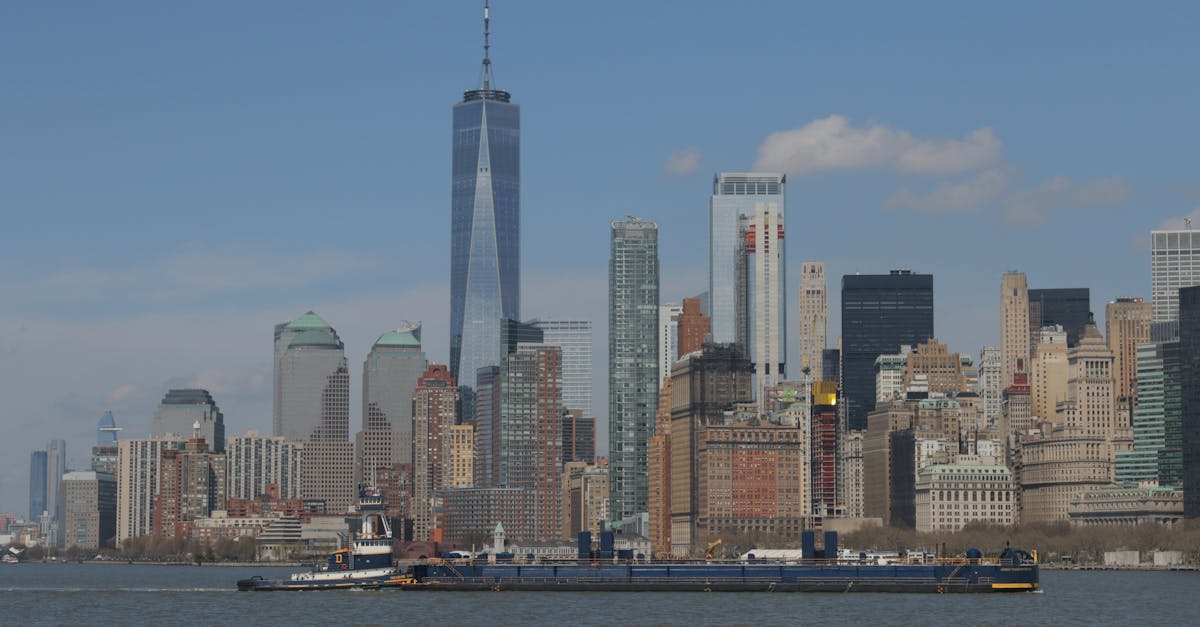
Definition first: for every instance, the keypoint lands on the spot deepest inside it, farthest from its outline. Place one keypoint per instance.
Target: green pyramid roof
(316, 337)
(406, 337)
(309, 320)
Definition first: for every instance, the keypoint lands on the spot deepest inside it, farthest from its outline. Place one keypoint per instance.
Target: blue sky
(176, 178)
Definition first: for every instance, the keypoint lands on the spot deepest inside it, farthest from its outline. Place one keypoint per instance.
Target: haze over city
(179, 179)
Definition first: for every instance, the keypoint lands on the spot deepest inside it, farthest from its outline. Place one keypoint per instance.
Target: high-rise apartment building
(823, 450)
(486, 420)
(584, 499)
(880, 313)
(814, 318)
(1127, 324)
(435, 408)
(485, 221)
(390, 374)
(462, 456)
(633, 376)
(37, 484)
(1174, 264)
(180, 410)
(139, 461)
(191, 485)
(574, 337)
(1014, 324)
(668, 336)
(578, 437)
(90, 514)
(991, 386)
(257, 462)
(692, 327)
(530, 431)
(1068, 307)
(659, 472)
(736, 196)
(313, 392)
(765, 297)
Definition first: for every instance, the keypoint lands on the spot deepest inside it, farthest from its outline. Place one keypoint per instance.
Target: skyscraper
(765, 297)
(390, 374)
(257, 461)
(181, 409)
(37, 484)
(313, 392)
(1014, 324)
(485, 245)
(574, 337)
(736, 196)
(692, 327)
(435, 407)
(1127, 325)
(990, 386)
(138, 472)
(1189, 354)
(104, 453)
(1068, 307)
(1174, 264)
(56, 467)
(668, 336)
(880, 313)
(531, 431)
(814, 317)
(633, 375)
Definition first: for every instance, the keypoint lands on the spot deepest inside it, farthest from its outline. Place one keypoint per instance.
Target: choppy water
(120, 594)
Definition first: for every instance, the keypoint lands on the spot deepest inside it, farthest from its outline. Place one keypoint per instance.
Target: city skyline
(128, 295)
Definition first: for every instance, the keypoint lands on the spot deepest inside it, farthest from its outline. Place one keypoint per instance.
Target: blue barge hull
(963, 576)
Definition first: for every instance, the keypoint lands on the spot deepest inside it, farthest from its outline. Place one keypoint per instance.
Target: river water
(121, 594)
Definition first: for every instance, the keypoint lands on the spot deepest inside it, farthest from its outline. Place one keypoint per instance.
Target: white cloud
(1179, 222)
(682, 163)
(964, 196)
(1058, 192)
(832, 143)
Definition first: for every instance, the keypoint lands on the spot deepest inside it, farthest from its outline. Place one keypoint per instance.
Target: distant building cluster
(711, 428)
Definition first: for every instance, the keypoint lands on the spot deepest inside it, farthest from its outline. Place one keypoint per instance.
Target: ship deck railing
(545, 561)
(766, 581)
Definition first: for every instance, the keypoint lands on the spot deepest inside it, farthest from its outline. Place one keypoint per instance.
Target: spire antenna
(487, 57)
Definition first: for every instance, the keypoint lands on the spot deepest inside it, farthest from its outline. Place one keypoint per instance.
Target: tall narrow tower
(1014, 324)
(814, 317)
(485, 246)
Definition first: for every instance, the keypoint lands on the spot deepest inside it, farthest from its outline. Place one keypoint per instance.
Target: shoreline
(1145, 567)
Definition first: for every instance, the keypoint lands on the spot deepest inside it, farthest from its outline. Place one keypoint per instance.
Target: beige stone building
(949, 496)
(462, 456)
(584, 498)
(1014, 324)
(942, 370)
(90, 509)
(1127, 323)
(1049, 373)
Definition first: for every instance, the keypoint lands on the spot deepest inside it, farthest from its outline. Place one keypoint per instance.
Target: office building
(37, 484)
(850, 473)
(1049, 373)
(584, 499)
(1189, 357)
(1174, 264)
(990, 385)
(260, 465)
(950, 496)
(462, 456)
(736, 196)
(104, 453)
(880, 313)
(633, 376)
(139, 461)
(831, 364)
(435, 408)
(486, 420)
(693, 328)
(313, 391)
(765, 298)
(181, 409)
(1014, 324)
(574, 337)
(90, 517)
(485, 220)
(658, 469)
(755, 478)
(1069, 308)
(814, 319)
(56, 467)
(390, 374)
(578, 437)
(1157, 449)
(469, 515)
(1127, 323)
(530, 431)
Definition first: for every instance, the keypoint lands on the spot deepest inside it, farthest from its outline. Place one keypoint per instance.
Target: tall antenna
(487, 58)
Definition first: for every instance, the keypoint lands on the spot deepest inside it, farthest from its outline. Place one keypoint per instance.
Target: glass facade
(485, 247)
(1067, 307)
(574, 337)
(1189, 356)
(1174, 264)
(633, 377)
(1156, 435)
(735, 196)
(880, 313)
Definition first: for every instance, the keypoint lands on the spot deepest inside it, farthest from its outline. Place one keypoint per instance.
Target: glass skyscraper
(574, 337)
(181, 409)
(1174, 264)
(633, 377)
(880, 313)
(1068, 307)
(37, 484)
(485, 238)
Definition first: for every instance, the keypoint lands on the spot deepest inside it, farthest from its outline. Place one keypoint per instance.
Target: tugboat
(367, 563)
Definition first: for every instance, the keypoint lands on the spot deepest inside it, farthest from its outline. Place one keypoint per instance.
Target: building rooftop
(407, 335)
(309, 320)
(316, 337)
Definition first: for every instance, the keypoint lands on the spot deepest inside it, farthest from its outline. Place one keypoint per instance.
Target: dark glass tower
(880, 313)
(1189, 354)
(485, 246)
(1068, 307)
(37, 484)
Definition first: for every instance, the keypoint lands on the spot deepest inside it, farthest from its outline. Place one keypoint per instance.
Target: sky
(176, 178)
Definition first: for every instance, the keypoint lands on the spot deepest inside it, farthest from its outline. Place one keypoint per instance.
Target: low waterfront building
(1127, 505)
